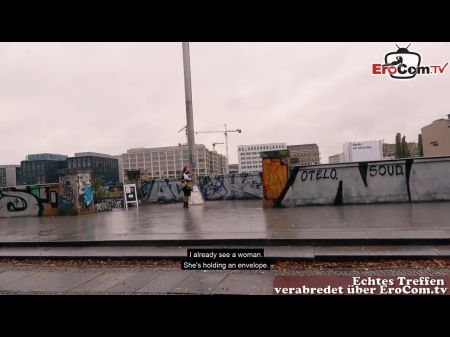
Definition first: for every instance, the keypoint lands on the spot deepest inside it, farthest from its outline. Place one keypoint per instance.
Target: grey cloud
(108, 97)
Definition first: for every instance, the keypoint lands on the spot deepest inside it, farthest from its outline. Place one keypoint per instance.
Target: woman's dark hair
(184, 169)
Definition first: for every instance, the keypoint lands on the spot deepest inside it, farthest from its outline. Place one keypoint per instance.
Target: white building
(168, 162)
(8, 175)
(249, 158)
(363, 151)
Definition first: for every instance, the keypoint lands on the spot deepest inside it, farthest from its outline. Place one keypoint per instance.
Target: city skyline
(111, 97)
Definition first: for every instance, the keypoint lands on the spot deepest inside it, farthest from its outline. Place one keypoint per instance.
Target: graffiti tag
(389, 169)
(318, 174)
(108, 205)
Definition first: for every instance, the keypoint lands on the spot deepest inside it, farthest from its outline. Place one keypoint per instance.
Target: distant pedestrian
(187, 186)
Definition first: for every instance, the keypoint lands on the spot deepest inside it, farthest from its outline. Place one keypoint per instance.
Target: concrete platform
(233, 222)
(418, 230)
(271, 253)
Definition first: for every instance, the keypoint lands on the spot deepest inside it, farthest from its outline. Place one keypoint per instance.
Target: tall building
(336, 159)
(249, 157)
(436, 138)
(218, 163)
(120, 163)
(305, 154)
(99, 165)
(41, 168)
(46, 156)
(8, 175)
(233, 168)
(363, 151)
(389, 150)
(92, 154)
(168, 162)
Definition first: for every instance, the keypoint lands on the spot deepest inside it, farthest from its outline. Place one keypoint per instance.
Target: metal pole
(189, 111)
(196, 196)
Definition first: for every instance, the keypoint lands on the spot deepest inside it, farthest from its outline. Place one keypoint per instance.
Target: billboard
(363, 151)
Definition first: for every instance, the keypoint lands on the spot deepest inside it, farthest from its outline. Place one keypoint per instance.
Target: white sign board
(130, 194)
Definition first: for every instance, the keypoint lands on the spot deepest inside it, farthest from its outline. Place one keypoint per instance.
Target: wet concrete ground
(237, 220)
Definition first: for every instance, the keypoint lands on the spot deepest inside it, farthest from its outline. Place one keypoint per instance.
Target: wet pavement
(271, 253)
(236, 220)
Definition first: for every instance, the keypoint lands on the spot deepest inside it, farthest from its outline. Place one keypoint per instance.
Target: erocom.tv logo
(405, 64)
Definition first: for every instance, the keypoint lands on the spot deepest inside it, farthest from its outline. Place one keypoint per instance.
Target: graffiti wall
(236, 186)
(68, 193)
(233, 186)
(420, 179)
(162, 191)
(108, 204)
(19, 203)
(85, 194)
(33, 200)
(275, 177)
(76, 194)
(72, 195)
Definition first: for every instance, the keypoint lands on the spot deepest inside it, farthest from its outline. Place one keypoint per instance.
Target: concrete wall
(76, 194)
(73, 195)
(424, 179)
(32, 200)
(108, 204)
(167, 190)
(233, 186)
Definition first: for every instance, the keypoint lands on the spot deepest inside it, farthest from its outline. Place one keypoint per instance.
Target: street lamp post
(189, 110)
(197, 197)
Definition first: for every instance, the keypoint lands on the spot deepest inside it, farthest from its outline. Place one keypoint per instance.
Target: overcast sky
(110, 97)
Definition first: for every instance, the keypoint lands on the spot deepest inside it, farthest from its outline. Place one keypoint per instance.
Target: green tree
(398, 146)
(98, 189)
(405, 150)
(419, 145)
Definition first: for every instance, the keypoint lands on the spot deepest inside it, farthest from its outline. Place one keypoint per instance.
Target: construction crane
(214, 146)
(225, 132)
(184, 128)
